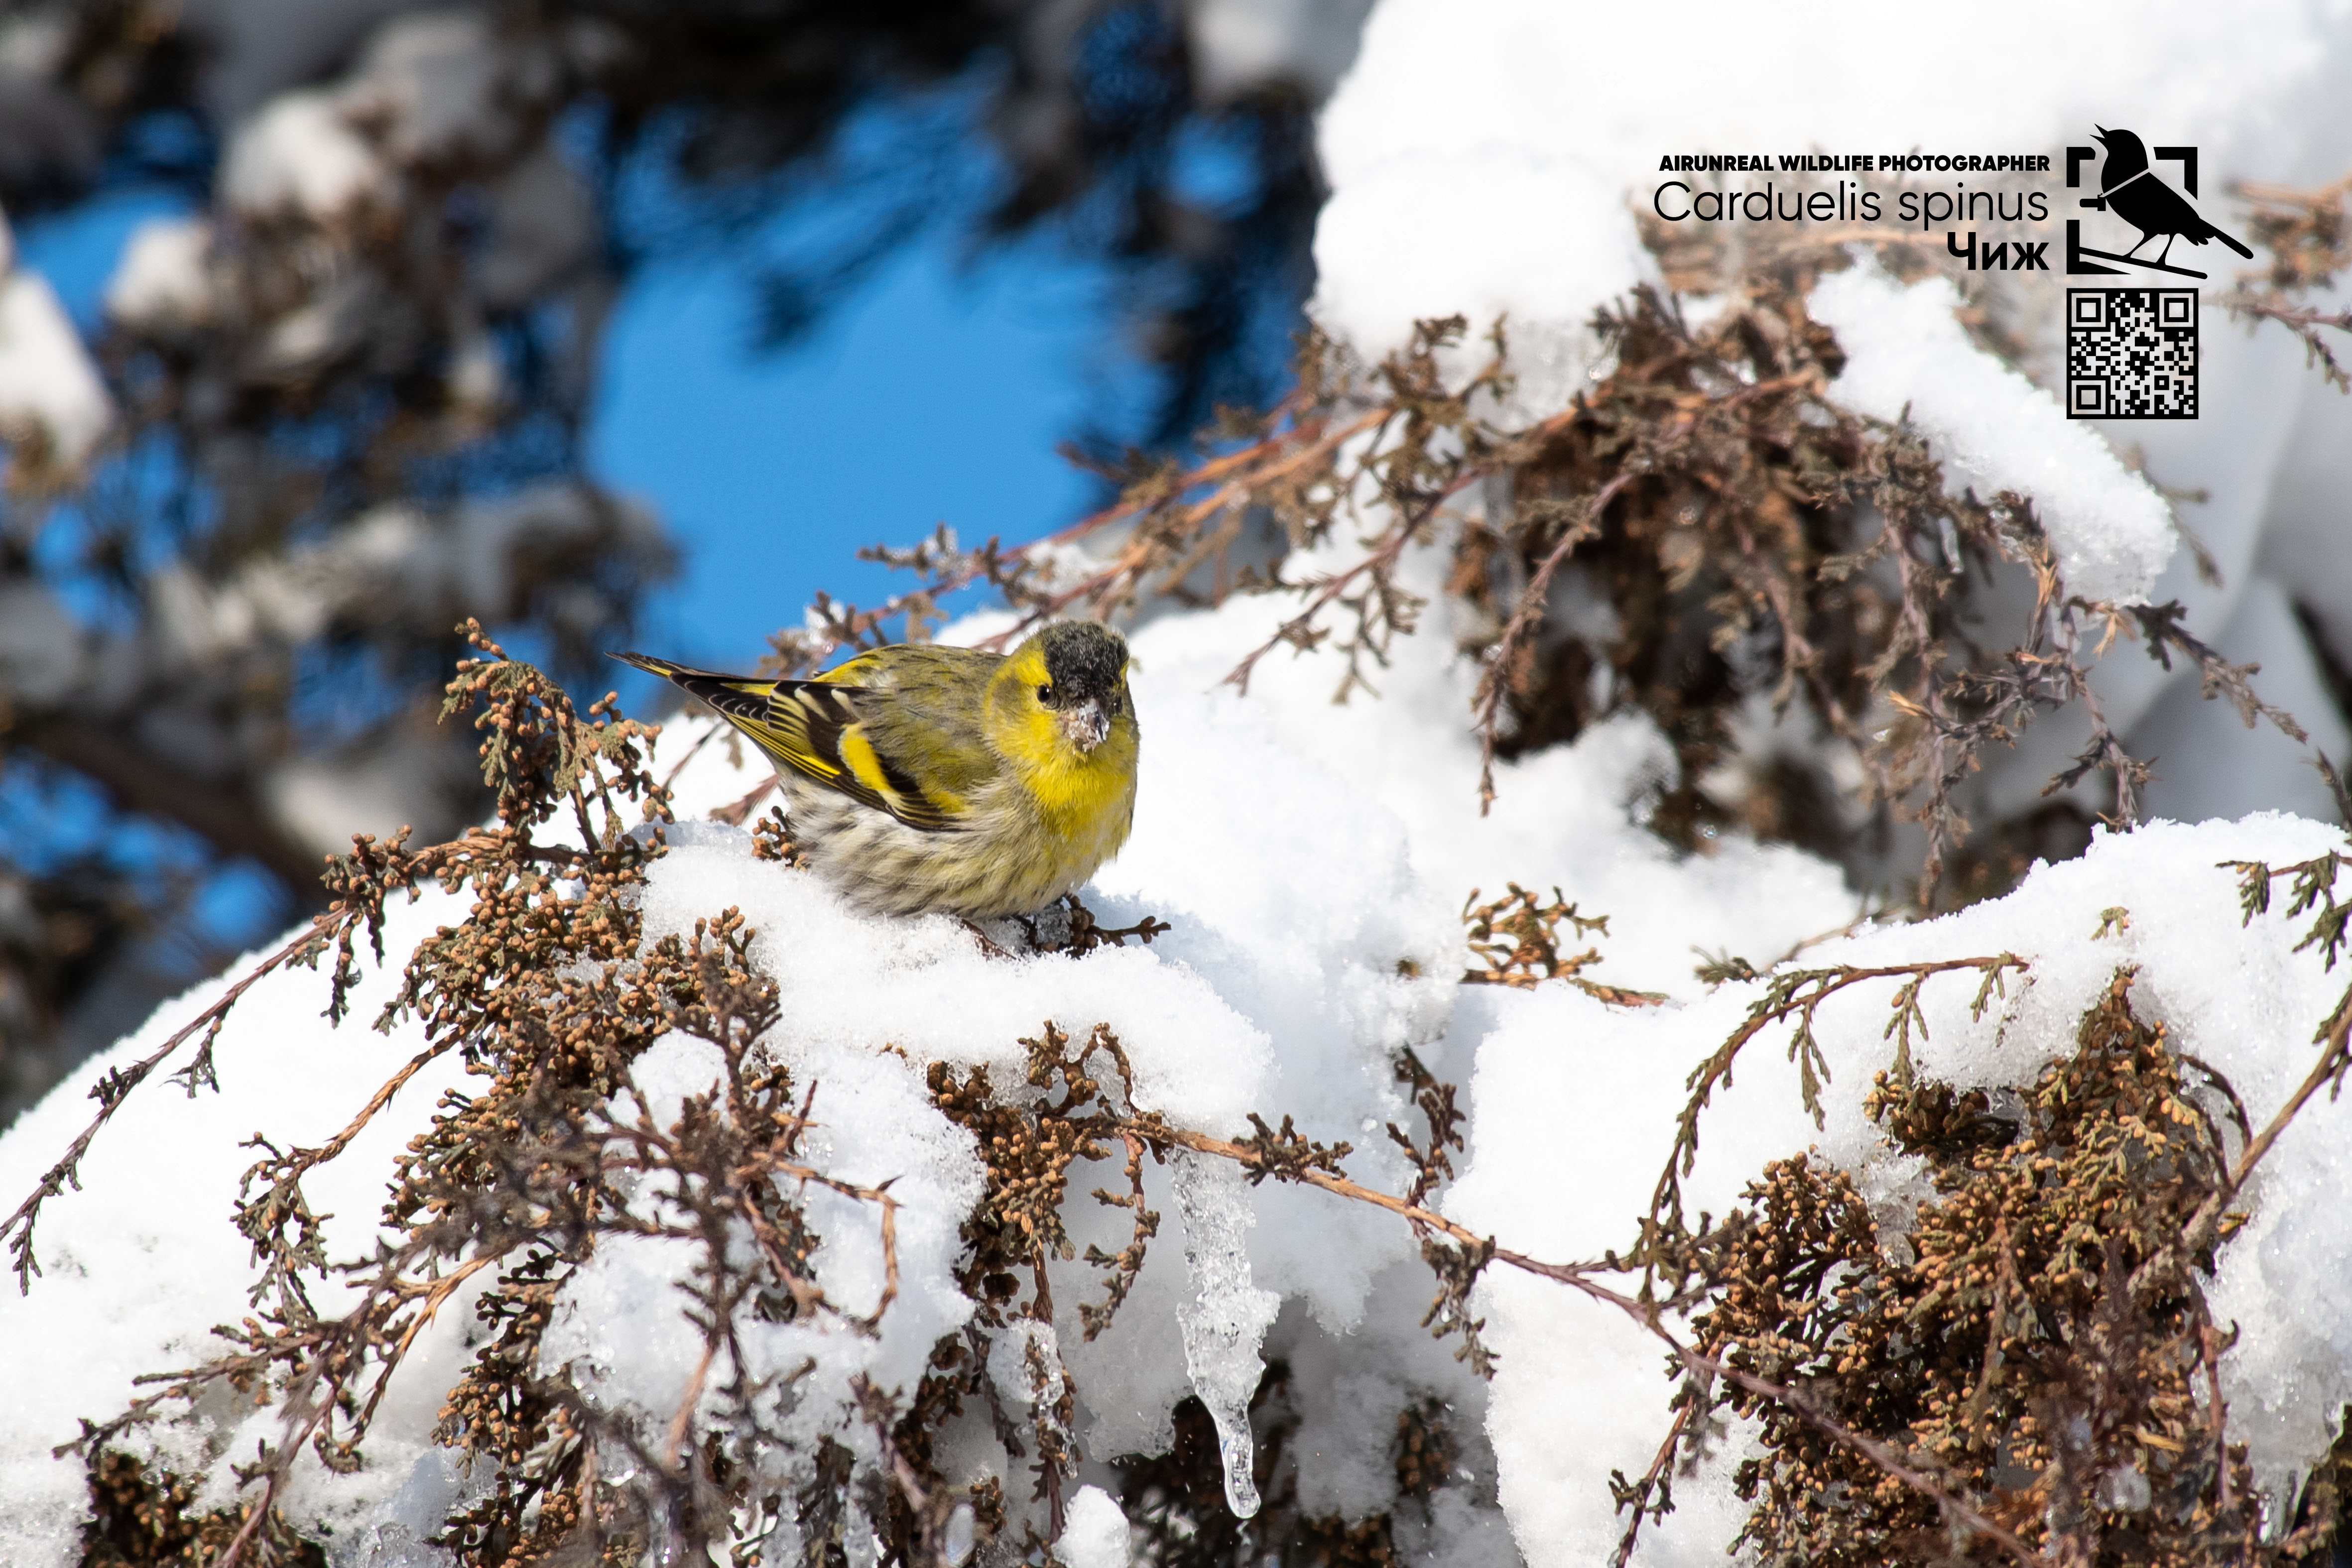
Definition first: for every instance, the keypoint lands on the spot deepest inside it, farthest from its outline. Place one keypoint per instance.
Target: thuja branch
(1163, 553)
(1292, 1159)
(1876, 1453)
(115, 1086)
(1269, 1155)
(1166, 508)
(2329, 1072)
(2309, 241)
(1795, 996)
(336, 927)
(539, 754)
(1651, 1497)
(316, 1397)
(542, 1166)
(1503, 662)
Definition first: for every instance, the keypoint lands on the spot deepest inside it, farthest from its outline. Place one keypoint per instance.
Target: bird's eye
(1045, 693)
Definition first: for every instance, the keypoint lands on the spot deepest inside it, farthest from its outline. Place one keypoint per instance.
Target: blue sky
(935, 393)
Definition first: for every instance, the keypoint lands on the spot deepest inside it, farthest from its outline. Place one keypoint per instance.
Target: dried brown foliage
(1902, 1399)
(2309, 243)
(548, 991)
(1516, 936)
(2039, 1337)
(142, 1521)
(1794, 997)
(2031, 1369)
(1029, 1137)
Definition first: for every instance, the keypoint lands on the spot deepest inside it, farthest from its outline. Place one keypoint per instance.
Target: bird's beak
(1085, 723)
(2099, 134)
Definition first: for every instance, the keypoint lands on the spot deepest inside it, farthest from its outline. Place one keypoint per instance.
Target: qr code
(2131, 353)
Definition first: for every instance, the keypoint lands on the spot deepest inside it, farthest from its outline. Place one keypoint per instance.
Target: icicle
(1228, 1318)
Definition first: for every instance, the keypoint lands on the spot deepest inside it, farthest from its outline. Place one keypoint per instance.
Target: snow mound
(1994, 430)
(1312, 858)
(301, 157)
(1467, 123)
(2249, 1015)
(161, 286)
(50, 394)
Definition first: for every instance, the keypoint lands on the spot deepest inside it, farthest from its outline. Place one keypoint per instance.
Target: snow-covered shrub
(702, 1319)
(1300, 1204)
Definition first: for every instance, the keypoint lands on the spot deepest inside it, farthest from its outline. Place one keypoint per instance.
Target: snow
(395, 562)
(1908, 357)
(51, 398)
(260, 47)
(1241, 45)
(50, 394)
(431, 90)
(144, 1261)
(300, 157)
(543, 223)
(1094, 1535)
(2250, 1015)
(35, 45)
(161, 286)
(436, 83)
(372, 786)
(40, 652)
(1539, 96)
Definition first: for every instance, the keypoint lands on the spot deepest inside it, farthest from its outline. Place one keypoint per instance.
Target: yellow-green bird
(928, 779)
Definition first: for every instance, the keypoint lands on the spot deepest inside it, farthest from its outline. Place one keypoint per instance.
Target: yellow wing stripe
(857, 756)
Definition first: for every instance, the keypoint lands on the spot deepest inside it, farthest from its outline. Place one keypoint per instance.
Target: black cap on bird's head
(1084, 663)
(1083, 659)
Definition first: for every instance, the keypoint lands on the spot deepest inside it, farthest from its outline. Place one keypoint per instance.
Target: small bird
(927, 780)
(2134, 192)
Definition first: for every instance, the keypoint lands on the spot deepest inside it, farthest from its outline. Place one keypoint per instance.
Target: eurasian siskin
(922, 778)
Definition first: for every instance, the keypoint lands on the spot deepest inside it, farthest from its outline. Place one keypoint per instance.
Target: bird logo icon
(2131, 189)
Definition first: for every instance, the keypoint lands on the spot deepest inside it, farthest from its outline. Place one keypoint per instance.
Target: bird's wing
(823, 731)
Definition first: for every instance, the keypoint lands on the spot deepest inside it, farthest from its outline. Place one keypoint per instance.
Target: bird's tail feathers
(662, 667)
(734, 695)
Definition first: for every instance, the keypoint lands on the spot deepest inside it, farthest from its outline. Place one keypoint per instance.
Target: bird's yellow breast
(1073, 790)
(1078, 796)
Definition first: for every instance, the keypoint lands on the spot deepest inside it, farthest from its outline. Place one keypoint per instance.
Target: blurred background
(327, 323)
